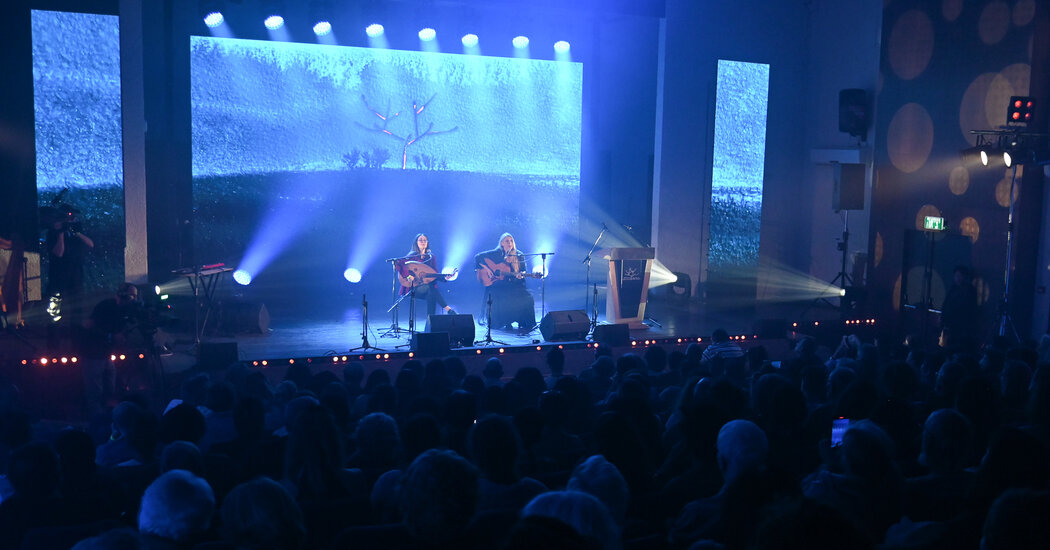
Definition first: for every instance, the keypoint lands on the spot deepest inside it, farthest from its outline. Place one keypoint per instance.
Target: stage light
(375, 30)
(469, 40)
(520, 42)
(427, 34)
(322, 28)
(43, 360)
(1008, 160)
(561, 46)
(1020, 110)
(242, 277)
(213, 19)
(842, 292)
(274, 22)
(156, 289)
(352, 275)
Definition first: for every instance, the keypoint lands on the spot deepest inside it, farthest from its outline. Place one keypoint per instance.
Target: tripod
(365, 345)
(1005, 322)
(841, 278)
(488, 325)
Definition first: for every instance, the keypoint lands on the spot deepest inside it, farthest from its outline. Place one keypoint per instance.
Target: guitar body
(421, 274)
(500, 272)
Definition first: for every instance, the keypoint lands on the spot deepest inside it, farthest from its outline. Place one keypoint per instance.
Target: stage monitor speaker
(217, 355)
(613, 335)
(244, 317)
(853, 112)
(570, 324)
(849, 187)
(460, 328)
(431, 344)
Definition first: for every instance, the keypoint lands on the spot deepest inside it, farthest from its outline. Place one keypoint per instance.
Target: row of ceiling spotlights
(375, 30)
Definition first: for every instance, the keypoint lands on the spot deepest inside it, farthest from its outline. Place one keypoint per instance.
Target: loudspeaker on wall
(848, 193)
(565, 325)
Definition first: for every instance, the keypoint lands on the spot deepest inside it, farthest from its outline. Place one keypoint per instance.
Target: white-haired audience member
(177, 508)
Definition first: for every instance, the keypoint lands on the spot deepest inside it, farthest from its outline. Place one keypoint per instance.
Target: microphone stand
(365, 345)
(488, 325)
(543, 280)
(586, 290)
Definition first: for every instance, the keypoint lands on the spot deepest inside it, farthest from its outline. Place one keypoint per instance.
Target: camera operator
(67, 247)
(117, 324)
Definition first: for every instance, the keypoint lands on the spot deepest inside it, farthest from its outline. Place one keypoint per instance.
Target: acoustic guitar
(501, 272)
(422, 274)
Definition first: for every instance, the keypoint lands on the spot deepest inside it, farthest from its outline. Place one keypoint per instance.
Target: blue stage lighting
(427, 34)
(352, 275)
(274, 22)
(470, 40)
(561, 46)
(213, 19)
(242, 277)
(374, 30)
(323, 28)
(520, 42)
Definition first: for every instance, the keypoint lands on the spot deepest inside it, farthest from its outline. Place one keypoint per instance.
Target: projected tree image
(291, 141)
(413, 136)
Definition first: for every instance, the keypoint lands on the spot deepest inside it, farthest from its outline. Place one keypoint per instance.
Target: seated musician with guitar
(418, 270)
(502, 271)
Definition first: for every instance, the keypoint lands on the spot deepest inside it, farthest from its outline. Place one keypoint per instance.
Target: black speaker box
(460, 328)
(853, 112)
(849, 187)
(431, 344)
(618, 334)
(565, 325)
(244, 317)
(217, 355)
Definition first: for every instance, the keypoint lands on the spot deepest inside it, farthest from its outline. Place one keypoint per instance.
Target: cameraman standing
(67, 248)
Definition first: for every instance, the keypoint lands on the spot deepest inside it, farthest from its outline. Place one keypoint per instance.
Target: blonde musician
(418, 270)
(502, 271)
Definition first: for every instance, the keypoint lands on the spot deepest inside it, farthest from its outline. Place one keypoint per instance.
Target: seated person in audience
(938, 495)
(176, 510)
(721, 348)
(494, 446)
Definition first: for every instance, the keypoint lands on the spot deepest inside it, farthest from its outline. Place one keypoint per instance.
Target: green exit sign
(933, 223)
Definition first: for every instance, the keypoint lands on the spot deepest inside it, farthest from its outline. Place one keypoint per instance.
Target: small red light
(24, 362)
(1016, 116)
(43, 360)
(64, 360)
(1029, 104)
(264, 363)
(142, 356)
(478, 351)
(255, 363)
(411, 355)
(539, 348)
(1017, 104)
(386, 356)
(501, 350)
(74, 359)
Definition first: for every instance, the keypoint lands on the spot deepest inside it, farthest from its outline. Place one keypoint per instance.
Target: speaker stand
(488, 326)
(365, 344)
(842, 278)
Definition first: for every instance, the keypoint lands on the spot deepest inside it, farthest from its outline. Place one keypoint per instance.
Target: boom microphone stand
(586, 289)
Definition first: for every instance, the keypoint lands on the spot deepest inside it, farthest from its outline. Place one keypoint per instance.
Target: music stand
(394, 329)
(365, 344)
(586, 289)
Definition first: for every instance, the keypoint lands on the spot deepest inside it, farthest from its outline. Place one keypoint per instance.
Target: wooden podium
(628, 286)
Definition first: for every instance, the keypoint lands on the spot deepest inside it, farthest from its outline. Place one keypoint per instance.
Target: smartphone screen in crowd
(838, 429)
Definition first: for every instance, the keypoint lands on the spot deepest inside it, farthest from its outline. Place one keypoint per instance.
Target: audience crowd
(945, 448)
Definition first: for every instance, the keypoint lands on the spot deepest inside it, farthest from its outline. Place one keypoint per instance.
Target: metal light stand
(1004, 307)
(365, 345)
